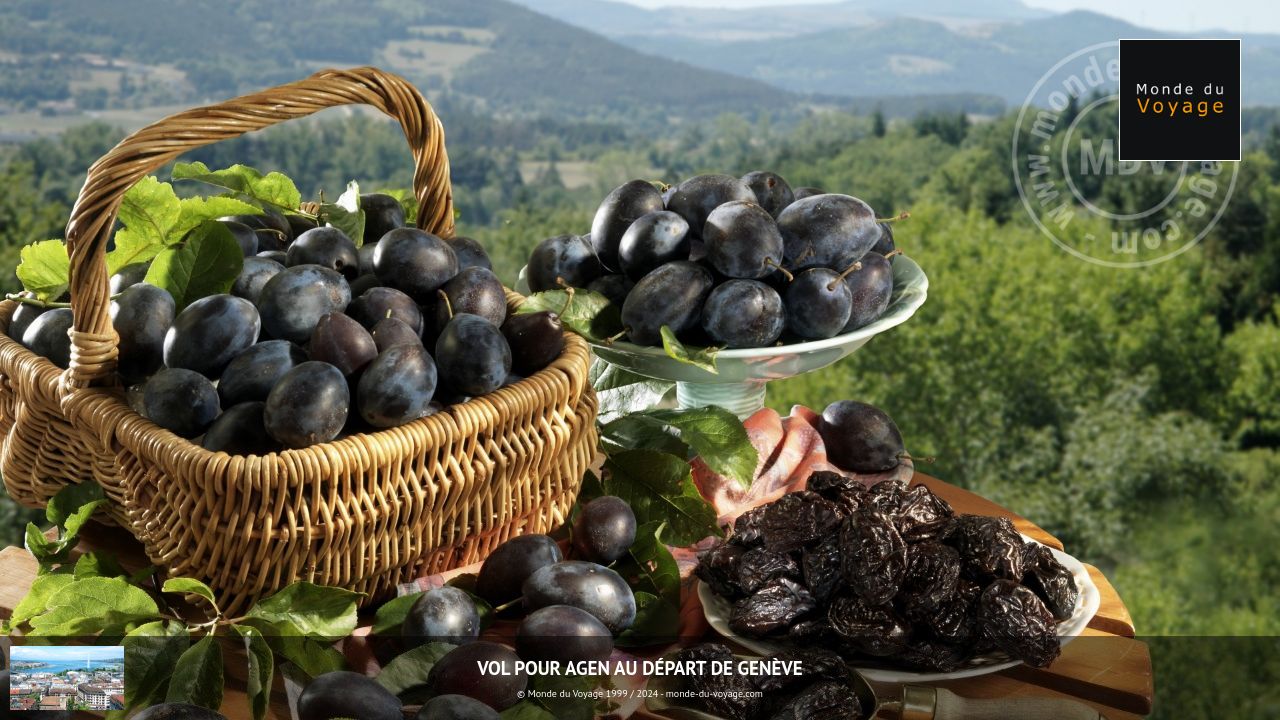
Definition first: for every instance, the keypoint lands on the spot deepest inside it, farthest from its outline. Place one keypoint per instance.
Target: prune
(379, 303)
(459, 673)
(874, 557)
(414, 262)
(444, 614)
(586, 586)
(718, 567)
(470, 253)
(363, 284)
(884, 245)
(815, 664)
(397, 386)
(672, 295)
(818, 304)
(771, 191)
(614, 287)
(870, 287)
(254, 276)
(343, 343)
(826, 700)
(293, 301)
(278, 256)
(933, 572)
(821, 567)
(567, 259)
(953, 620)
(742, 240)
(511, 563)
(866, 628)
(299, 224)
(1013, 618)
(811, 631)
(761, 566)
(239, 431)
(772, 609)
(536, 339)
(47, 336)
(163, 711)
(390, 332)
(308, 405)
(343, 694)
(131, 274)
(141, 316)
(885, 497)
(564, 633)
(272, 228)
(244, 236)
(728, 696)
(921, 515)
(476, 291)
(382, 214)
(620, 209)
(604, 530)
(932, 655)
(695, 198)
(990, 547)
(365, 253)
(653, 240)
(744, 314)
(22, 317)
(860, 437)
(748, 528)
(1051, 582)
(845, 492)
(254, 371)
(327, 247)
(829, 231)
(798, 519)
(209, 332)
(181, 401)
(456, 707)
(472, 356)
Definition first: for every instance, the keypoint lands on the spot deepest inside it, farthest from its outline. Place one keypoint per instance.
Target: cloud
(67, 653)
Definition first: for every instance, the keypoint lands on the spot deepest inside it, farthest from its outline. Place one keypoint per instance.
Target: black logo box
(1186, 65)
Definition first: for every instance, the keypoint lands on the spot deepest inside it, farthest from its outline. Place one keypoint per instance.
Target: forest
(1131, 412)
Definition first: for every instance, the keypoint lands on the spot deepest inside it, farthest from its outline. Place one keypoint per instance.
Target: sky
(1259, 16)
(66, 653)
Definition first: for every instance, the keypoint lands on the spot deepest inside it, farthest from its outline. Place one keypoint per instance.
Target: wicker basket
(365, 512)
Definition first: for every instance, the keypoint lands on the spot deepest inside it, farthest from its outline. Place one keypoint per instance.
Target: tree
(877, 123)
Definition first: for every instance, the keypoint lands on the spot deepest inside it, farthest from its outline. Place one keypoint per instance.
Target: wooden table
(1105, 668)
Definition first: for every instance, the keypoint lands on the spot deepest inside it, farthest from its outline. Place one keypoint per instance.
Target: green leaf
(634, 431)
(714, 434)
(151, 652)
(148, 212)
(346, 214)
(45, 269)
(261, 668)
(46, 551)
(587, 313)
(97, 564)
(409, 670)
(621, 391)
(94, 605)
(407, 200)
(185, 585)
(206, 262)
(659, 487)
(467, 583)
(388, 618)
(315, 611)
(657, 623)
(526, 710)
(37, 598)
(704, 358)
(195, 210)
(655, 563)
(71, 500)
(273, 189)
(312, 657)
(197, 676)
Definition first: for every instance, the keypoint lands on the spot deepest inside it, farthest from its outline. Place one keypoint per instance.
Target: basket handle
(93, 340)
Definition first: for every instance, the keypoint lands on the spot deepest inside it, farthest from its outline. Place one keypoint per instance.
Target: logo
(1180, 100)
(1073, 184)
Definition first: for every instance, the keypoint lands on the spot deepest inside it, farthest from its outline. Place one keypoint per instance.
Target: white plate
(717, 610)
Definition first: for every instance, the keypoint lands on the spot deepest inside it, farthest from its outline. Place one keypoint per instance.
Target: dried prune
(989, 546)
(821, 566)
(815, 664)
(759, 566)
(826, 700)
(1051, 582)
(921, 514)
(873, 556)
(935, 656)
(868, 629)
(798, 519)
(816, 630)
(718, 567)
(954, 620)
(844, 491)
(933, 570)
(725, 695)
(746, 529)
(1013, 618)
(774, 608)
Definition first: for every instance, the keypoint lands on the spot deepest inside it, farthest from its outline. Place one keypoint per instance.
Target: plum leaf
(45, 269)
(205, 263)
